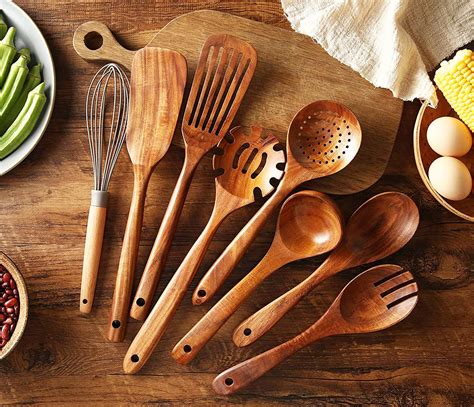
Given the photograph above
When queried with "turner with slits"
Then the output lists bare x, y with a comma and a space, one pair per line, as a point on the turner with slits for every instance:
376, 299
222, 76
247, 165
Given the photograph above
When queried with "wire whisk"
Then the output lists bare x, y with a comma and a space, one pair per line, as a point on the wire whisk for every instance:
107, 104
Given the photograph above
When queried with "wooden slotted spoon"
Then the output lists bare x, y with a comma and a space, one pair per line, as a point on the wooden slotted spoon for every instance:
249, 161
374, 300
246, 163
156, 91
323, 138
309, 224
223, 74
378, 228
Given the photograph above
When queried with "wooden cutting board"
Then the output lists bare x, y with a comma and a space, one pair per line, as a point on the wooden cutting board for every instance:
292, 71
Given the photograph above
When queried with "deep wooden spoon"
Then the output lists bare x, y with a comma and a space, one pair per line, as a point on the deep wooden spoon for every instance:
248, 160
156, 92
309, 224
223, 74
379, 227
323, 138
374, 300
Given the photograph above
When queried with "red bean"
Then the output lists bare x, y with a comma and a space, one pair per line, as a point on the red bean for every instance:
6, 278
6, 332
12, 283
9, 292
10, 311
11, 302
8, 321
2, 343
2, 317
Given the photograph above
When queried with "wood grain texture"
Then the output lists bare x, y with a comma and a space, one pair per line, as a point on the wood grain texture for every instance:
156, 91
374, 300
281, 87
323, 138
225, 68
309, 224
64, 357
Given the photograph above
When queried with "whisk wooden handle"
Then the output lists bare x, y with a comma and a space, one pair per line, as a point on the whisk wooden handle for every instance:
128, 259
108, 48
93, 249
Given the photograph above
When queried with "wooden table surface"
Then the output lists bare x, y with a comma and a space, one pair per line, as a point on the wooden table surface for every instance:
64, 357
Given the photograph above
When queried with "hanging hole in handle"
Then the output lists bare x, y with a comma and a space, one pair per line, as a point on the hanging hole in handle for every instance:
140, 302
135, 358
187, 348
93, 40
116, 324
84, 301
202, 293
229, 381
247, 331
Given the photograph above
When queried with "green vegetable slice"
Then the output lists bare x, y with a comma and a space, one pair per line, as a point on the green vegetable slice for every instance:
7, 53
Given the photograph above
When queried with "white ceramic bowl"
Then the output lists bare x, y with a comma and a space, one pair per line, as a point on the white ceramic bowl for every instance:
29, 35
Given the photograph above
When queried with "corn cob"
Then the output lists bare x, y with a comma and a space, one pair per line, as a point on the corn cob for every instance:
13, 85
32, 80
455, 78
24, 124
7, 53
3, 27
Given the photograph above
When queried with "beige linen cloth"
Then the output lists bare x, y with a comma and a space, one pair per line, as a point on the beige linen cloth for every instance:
391, 43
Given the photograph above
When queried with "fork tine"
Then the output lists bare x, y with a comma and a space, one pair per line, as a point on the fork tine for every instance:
227, 110
400, 292
395, 281
224, 69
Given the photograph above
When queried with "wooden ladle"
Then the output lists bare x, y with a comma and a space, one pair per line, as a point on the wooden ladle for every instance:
247, 162
379, 227
309, 224
156, 92
323, 138
223, 73
374, 300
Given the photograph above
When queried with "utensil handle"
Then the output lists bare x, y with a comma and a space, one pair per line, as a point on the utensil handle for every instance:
160, 316
128, 259
190, 345
263, 320
93, 41
157, 259
231, 256
93, 248
241, 375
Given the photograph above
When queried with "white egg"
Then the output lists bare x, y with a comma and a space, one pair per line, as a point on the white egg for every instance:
451, 178
449, 136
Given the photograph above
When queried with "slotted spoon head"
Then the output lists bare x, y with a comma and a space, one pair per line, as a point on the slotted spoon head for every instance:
223, 74
323, 138
377, 299
249, 163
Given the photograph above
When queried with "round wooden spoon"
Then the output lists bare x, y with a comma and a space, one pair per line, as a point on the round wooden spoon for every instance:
249, 161
245, 163
374, 300
309, 224
323, 138
379, 227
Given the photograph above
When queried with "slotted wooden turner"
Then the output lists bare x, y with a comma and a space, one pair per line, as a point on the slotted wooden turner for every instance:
249, 161
223, 74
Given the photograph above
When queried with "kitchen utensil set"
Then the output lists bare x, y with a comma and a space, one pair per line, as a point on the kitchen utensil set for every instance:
109, 84
249, 164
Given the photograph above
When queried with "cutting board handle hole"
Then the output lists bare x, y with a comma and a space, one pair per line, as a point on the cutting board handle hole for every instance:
93, 40
140, 302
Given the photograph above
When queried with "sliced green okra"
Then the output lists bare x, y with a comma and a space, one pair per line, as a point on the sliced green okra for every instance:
11, 90
7, 53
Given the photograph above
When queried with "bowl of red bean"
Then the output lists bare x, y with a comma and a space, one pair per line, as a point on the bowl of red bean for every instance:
13, 305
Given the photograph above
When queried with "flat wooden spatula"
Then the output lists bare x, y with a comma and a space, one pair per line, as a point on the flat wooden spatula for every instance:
157, 87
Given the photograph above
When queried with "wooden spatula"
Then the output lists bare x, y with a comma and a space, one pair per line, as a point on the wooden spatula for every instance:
223, 74
157, 87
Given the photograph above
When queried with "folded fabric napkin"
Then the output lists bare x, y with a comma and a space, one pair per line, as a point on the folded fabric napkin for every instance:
391, 43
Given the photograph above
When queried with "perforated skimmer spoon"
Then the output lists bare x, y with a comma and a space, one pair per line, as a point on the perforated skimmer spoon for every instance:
309, 224
323, 138
374, 300
223, 74
379, 227
249, 161
246, 163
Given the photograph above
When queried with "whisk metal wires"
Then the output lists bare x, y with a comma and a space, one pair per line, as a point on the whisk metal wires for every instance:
107, 104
